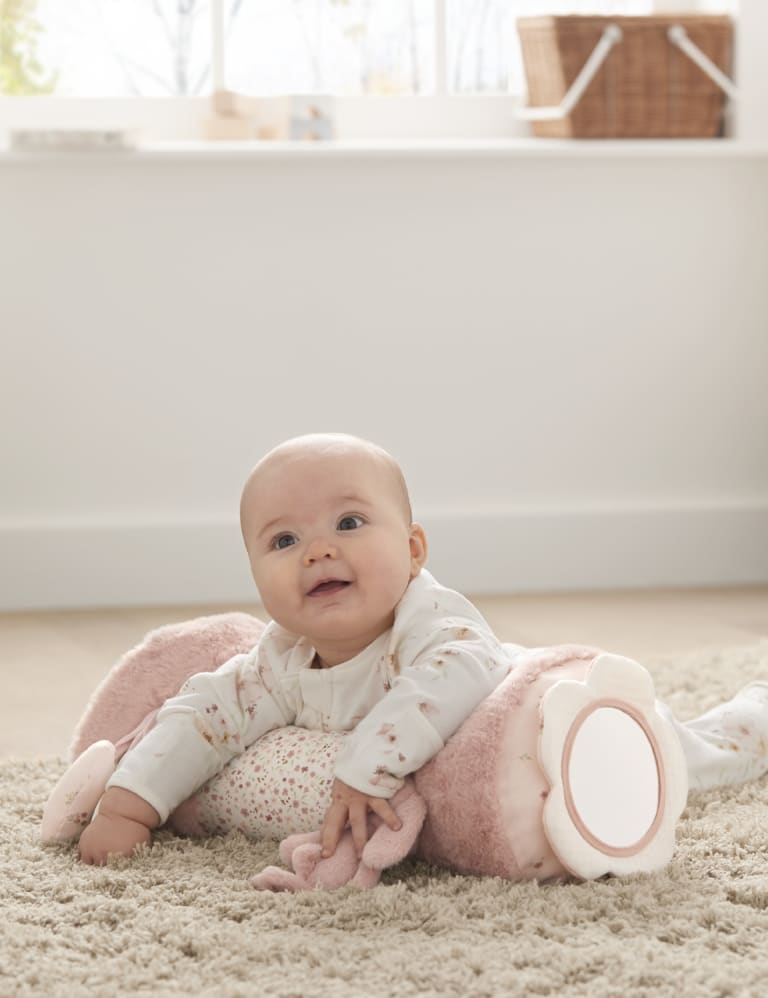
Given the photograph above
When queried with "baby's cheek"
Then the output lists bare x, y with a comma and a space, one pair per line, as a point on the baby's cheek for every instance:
387, 591
276, 594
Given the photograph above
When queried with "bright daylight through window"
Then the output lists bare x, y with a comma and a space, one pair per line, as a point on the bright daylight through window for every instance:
162, 48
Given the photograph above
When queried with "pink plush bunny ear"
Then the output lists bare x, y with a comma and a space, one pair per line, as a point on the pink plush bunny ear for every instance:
387, 847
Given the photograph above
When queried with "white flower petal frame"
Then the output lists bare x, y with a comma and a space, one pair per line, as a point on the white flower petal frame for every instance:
617, 774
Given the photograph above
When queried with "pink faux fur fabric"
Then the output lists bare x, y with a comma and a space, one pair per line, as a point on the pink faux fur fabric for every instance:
157, 668
484, 790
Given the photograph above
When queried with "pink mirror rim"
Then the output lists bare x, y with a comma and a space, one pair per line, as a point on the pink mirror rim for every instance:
570, 804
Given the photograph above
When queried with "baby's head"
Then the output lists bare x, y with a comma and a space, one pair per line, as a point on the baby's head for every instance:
326, 521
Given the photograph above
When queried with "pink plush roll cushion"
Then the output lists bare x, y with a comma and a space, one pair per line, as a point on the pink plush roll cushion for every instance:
484, 790
157, 668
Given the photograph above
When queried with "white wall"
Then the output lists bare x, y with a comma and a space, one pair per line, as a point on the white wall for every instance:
568, 354
752, 71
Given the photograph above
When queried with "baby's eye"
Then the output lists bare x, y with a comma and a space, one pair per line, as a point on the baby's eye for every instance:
351, 522
283, 541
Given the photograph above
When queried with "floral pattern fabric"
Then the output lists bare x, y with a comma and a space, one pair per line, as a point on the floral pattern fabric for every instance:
283, 788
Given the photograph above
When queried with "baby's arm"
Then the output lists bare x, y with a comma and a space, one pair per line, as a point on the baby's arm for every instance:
124, 821
214, 717
430, 699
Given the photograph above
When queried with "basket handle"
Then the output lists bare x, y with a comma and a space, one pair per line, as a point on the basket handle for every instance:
679, 36
610, 36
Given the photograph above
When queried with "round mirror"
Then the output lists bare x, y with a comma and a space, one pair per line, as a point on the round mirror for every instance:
612, 780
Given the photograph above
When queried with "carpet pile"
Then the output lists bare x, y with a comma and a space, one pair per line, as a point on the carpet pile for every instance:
182, 919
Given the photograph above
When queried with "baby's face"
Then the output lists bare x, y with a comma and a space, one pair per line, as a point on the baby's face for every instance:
330, 547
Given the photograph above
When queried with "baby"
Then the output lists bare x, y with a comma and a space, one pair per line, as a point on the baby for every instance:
361, 639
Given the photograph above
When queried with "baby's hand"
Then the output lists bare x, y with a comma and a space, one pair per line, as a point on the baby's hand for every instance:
111, 835
353, 805
123, 822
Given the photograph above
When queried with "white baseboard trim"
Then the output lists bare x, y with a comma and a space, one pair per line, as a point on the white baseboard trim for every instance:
98, 564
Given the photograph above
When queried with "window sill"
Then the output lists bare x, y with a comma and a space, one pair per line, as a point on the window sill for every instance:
514, 148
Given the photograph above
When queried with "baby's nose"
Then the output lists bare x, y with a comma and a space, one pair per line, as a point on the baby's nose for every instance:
318, 548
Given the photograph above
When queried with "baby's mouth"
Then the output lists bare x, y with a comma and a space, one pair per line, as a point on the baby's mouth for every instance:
329, 586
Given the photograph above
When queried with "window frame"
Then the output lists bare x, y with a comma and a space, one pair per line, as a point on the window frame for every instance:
439, 115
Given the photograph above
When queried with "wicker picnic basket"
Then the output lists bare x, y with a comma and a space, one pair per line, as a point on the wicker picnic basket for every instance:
646, 88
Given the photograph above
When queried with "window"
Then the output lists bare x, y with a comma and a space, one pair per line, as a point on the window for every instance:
353, 49
106, 48
348, 47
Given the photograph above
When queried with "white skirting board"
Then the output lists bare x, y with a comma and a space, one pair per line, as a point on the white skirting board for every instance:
103, 563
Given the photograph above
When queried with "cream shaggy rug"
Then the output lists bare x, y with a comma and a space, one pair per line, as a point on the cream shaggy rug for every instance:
181, 918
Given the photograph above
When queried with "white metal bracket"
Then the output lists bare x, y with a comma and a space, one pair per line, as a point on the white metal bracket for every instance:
679, 36
609, 38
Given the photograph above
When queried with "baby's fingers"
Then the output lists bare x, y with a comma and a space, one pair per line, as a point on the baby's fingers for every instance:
383, 808
92, 857
358, 820
333, 826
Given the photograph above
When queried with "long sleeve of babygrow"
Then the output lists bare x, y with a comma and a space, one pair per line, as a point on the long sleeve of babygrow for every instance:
213, 718
445, 659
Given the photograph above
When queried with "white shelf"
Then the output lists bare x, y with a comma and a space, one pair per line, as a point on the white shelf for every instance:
518, 148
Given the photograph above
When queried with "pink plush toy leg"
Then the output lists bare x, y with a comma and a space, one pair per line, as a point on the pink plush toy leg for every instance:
384, 848
310, 871
275, 878
290, 844
330, 873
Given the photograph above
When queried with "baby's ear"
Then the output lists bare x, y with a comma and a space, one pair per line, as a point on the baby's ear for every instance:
417, 540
